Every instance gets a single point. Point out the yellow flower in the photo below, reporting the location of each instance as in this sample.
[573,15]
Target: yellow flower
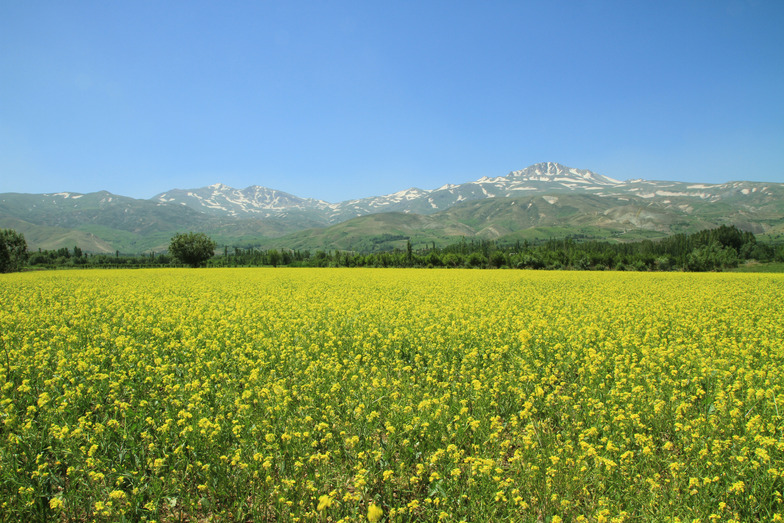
[374,512]
[325,502]
[738,487]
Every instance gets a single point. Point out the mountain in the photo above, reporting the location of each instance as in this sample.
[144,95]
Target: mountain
[253,201]
[56,237]
[222,200]
[533,217]
[542,178]
[123,223]
[543,200]
[105,222]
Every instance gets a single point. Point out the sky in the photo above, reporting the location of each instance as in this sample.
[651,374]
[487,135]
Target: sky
[346,99]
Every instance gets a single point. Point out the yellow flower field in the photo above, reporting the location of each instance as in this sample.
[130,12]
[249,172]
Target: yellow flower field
[391,395]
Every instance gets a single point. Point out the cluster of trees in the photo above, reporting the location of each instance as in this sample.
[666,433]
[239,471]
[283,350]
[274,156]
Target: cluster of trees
[192,249]
[76,258]
[708,250]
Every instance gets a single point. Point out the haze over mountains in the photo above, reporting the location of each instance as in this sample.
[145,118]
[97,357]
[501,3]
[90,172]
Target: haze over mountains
[540,201]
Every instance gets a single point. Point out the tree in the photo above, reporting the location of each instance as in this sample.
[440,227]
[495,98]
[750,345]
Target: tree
[497,259]
[274,257]
[193,248]
[711,257]
[451,259]
[13,250]
[476,259]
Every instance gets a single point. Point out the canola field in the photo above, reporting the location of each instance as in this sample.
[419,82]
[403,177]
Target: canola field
[391,395]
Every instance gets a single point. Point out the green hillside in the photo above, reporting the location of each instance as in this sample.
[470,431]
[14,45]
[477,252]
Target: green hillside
[535,217]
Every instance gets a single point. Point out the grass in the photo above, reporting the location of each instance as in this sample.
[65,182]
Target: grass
[760,267]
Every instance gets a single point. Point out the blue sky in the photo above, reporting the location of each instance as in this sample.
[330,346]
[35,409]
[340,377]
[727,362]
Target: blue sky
[338,100]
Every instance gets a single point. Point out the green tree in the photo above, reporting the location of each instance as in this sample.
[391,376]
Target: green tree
[712,257]
[497,259]
[476,259]
[13,250]
[193,248]
[451,259]
[274,257]
[434,259]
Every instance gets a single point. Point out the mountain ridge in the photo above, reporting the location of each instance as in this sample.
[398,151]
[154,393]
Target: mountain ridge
[262,216]
[541,177]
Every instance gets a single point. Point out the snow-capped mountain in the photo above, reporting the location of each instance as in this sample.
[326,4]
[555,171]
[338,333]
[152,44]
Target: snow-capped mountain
[222,200]
[556,173]
[548,177]
[262,202]
[542,195]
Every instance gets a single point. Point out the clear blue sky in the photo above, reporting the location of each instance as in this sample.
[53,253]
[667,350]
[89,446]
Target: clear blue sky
[338,100]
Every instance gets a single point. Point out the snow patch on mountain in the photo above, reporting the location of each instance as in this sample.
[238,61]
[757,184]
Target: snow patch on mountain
[547,178]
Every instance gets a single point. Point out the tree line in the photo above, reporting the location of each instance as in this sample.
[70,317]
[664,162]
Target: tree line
[721,248]
[708,250]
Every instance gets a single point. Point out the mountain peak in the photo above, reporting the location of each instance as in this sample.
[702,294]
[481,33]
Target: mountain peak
[555,172]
